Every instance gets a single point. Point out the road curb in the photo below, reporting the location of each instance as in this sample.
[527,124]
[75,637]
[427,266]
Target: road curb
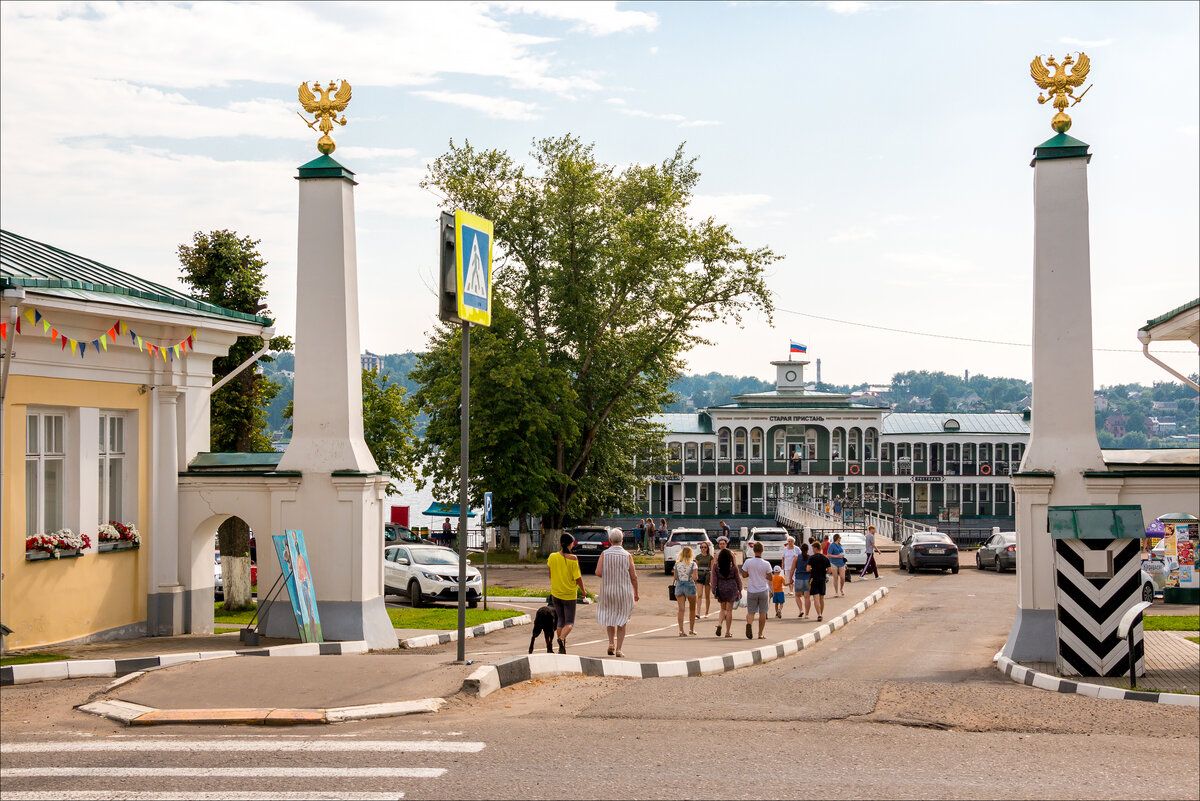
[137,715]
[490,678]
[443,637]
[134,666]
[1043,681]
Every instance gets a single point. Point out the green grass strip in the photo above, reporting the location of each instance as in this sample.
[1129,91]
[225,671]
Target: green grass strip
[31,659]
[445,617]
[1193,639]
[221,616]
[1171,623]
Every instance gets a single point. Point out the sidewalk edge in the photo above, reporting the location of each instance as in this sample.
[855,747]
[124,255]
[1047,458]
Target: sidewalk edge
[443,637]
[1033,678]
[506,673]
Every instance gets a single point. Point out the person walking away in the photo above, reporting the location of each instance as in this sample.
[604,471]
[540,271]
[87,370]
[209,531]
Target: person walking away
[446,529]
[686,573]
[818,570]
[566,582]
[618,591]
[777,594]
[757,572]
[704,561]
[726,586]
[790,552]
[799,578]
[662,532]
[870,565]
[837,558]
[639,533]
[650,534]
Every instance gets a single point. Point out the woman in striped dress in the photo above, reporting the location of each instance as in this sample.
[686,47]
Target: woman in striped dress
[618,591]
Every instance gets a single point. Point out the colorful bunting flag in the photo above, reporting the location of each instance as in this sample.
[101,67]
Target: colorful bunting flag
[168,352]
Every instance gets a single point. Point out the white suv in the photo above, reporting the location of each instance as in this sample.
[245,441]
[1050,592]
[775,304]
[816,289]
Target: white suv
[692,537]
[773,538]
[427,573]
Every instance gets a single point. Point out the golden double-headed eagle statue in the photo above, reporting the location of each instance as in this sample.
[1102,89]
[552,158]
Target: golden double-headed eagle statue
[324,110]
[1060,86]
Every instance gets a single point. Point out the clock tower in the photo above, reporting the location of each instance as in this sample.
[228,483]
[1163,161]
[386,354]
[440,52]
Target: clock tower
[789,376]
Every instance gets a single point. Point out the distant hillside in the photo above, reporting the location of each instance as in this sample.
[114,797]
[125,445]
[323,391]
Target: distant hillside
[1127,415]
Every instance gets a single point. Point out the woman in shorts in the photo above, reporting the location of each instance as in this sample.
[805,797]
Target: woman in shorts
[799,578]
[726,582]
[704,561]
[685,589]
[566,582]
[837,558]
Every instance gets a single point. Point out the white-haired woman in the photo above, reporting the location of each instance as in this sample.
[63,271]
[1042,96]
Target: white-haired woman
[618,591]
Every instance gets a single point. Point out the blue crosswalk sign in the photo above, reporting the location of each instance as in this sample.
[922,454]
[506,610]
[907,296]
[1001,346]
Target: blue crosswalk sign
[487,508]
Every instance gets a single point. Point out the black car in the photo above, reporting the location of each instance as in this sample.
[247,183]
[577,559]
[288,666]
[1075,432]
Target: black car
[929,549]
[590,542]
[999,552]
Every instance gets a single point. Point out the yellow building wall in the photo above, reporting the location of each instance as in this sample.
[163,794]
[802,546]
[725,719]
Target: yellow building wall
[54,600]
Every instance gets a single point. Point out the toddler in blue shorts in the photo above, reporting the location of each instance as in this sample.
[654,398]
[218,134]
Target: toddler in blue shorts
[777,590]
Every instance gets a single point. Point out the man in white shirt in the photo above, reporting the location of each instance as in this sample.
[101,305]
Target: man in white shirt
[758,591]
[790,552]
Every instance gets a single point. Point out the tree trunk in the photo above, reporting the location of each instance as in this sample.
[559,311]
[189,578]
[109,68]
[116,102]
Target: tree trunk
[550,537]
[523,538]
[233,541]
[503,540]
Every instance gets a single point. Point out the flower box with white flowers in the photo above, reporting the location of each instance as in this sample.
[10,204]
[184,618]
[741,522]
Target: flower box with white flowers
[116,536]
[57,545]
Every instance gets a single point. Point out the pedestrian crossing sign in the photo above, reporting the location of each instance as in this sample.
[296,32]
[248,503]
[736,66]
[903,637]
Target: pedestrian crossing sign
[473,257]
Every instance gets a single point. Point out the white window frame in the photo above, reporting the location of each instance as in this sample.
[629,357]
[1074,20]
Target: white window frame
[739,444]
[705,491]
[690,450]
[708,452]
[112,432]
[38,455]
[723,438]
[756,444]
[780,443]
[675,452]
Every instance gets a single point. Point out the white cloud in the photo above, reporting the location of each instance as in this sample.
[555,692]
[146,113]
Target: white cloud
[616,101]
[654,51]
[930,262]
[845,6]
[362,153]
[851,234]
[596,18]
[500,108]
[679,120]
[1081,43]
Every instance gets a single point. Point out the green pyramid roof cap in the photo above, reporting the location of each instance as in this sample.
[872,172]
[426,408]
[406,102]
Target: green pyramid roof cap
[1060,146]
[325,167]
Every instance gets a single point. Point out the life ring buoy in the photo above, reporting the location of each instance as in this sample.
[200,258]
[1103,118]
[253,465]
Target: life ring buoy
[740,469]
[985,469]
[855,470]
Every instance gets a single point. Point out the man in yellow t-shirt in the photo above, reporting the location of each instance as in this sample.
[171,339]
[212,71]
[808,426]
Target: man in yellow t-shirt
[566,582]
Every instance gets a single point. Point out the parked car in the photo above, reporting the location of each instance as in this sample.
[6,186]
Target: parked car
[590,542]
[998,552]
[1147,587]
[427,574]
[773,538]
[929,549]
[680,537]
[395,534]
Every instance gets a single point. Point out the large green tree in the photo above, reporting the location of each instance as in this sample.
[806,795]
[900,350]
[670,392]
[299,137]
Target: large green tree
[226,269]
[603,283]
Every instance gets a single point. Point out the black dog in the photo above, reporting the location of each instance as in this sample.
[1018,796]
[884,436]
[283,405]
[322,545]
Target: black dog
[544,623]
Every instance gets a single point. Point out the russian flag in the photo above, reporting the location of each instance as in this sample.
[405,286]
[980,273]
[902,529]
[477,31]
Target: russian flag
[798,348]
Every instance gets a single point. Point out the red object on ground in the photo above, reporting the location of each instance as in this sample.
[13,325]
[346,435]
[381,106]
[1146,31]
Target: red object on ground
[400,515]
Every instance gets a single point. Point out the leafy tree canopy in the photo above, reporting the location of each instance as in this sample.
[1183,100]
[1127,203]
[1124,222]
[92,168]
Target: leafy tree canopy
[607,279]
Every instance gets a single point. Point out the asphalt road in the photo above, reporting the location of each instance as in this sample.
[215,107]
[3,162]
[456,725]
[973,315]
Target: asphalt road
[903,703]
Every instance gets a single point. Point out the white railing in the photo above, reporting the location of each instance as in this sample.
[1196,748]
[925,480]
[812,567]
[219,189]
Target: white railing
[796,515]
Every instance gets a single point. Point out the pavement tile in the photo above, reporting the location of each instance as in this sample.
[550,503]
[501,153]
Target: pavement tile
[290,717]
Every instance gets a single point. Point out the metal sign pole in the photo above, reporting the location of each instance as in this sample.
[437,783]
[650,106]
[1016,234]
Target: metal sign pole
[463,468]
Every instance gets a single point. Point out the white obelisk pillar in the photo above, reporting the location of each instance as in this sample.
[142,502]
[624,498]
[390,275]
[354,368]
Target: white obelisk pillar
[339,505]
[1062,443]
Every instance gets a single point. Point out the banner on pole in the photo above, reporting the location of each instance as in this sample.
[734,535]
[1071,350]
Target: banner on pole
[293,560]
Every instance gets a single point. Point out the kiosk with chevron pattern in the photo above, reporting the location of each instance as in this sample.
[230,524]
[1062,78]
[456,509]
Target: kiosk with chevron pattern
[1097,575]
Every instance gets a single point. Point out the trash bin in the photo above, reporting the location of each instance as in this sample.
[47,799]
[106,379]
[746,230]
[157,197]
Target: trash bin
[1097,575]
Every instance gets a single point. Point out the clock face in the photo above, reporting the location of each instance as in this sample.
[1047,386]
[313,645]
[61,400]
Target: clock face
[790,375]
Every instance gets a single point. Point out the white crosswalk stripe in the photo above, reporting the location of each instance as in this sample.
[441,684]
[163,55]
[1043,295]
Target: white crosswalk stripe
[53,776]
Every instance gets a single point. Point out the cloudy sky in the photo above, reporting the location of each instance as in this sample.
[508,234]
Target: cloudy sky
[882,148]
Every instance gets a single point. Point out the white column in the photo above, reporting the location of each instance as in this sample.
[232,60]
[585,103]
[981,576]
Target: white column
[1062,442]
[164,610]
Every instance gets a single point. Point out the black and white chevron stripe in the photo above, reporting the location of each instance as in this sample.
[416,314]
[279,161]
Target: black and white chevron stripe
[1089,609]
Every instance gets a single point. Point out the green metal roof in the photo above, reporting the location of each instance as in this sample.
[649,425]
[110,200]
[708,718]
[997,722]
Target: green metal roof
[1162,318]
[325,167]
[218,461]
[695,423]
[35,265]
[1060,146]
[968,423]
